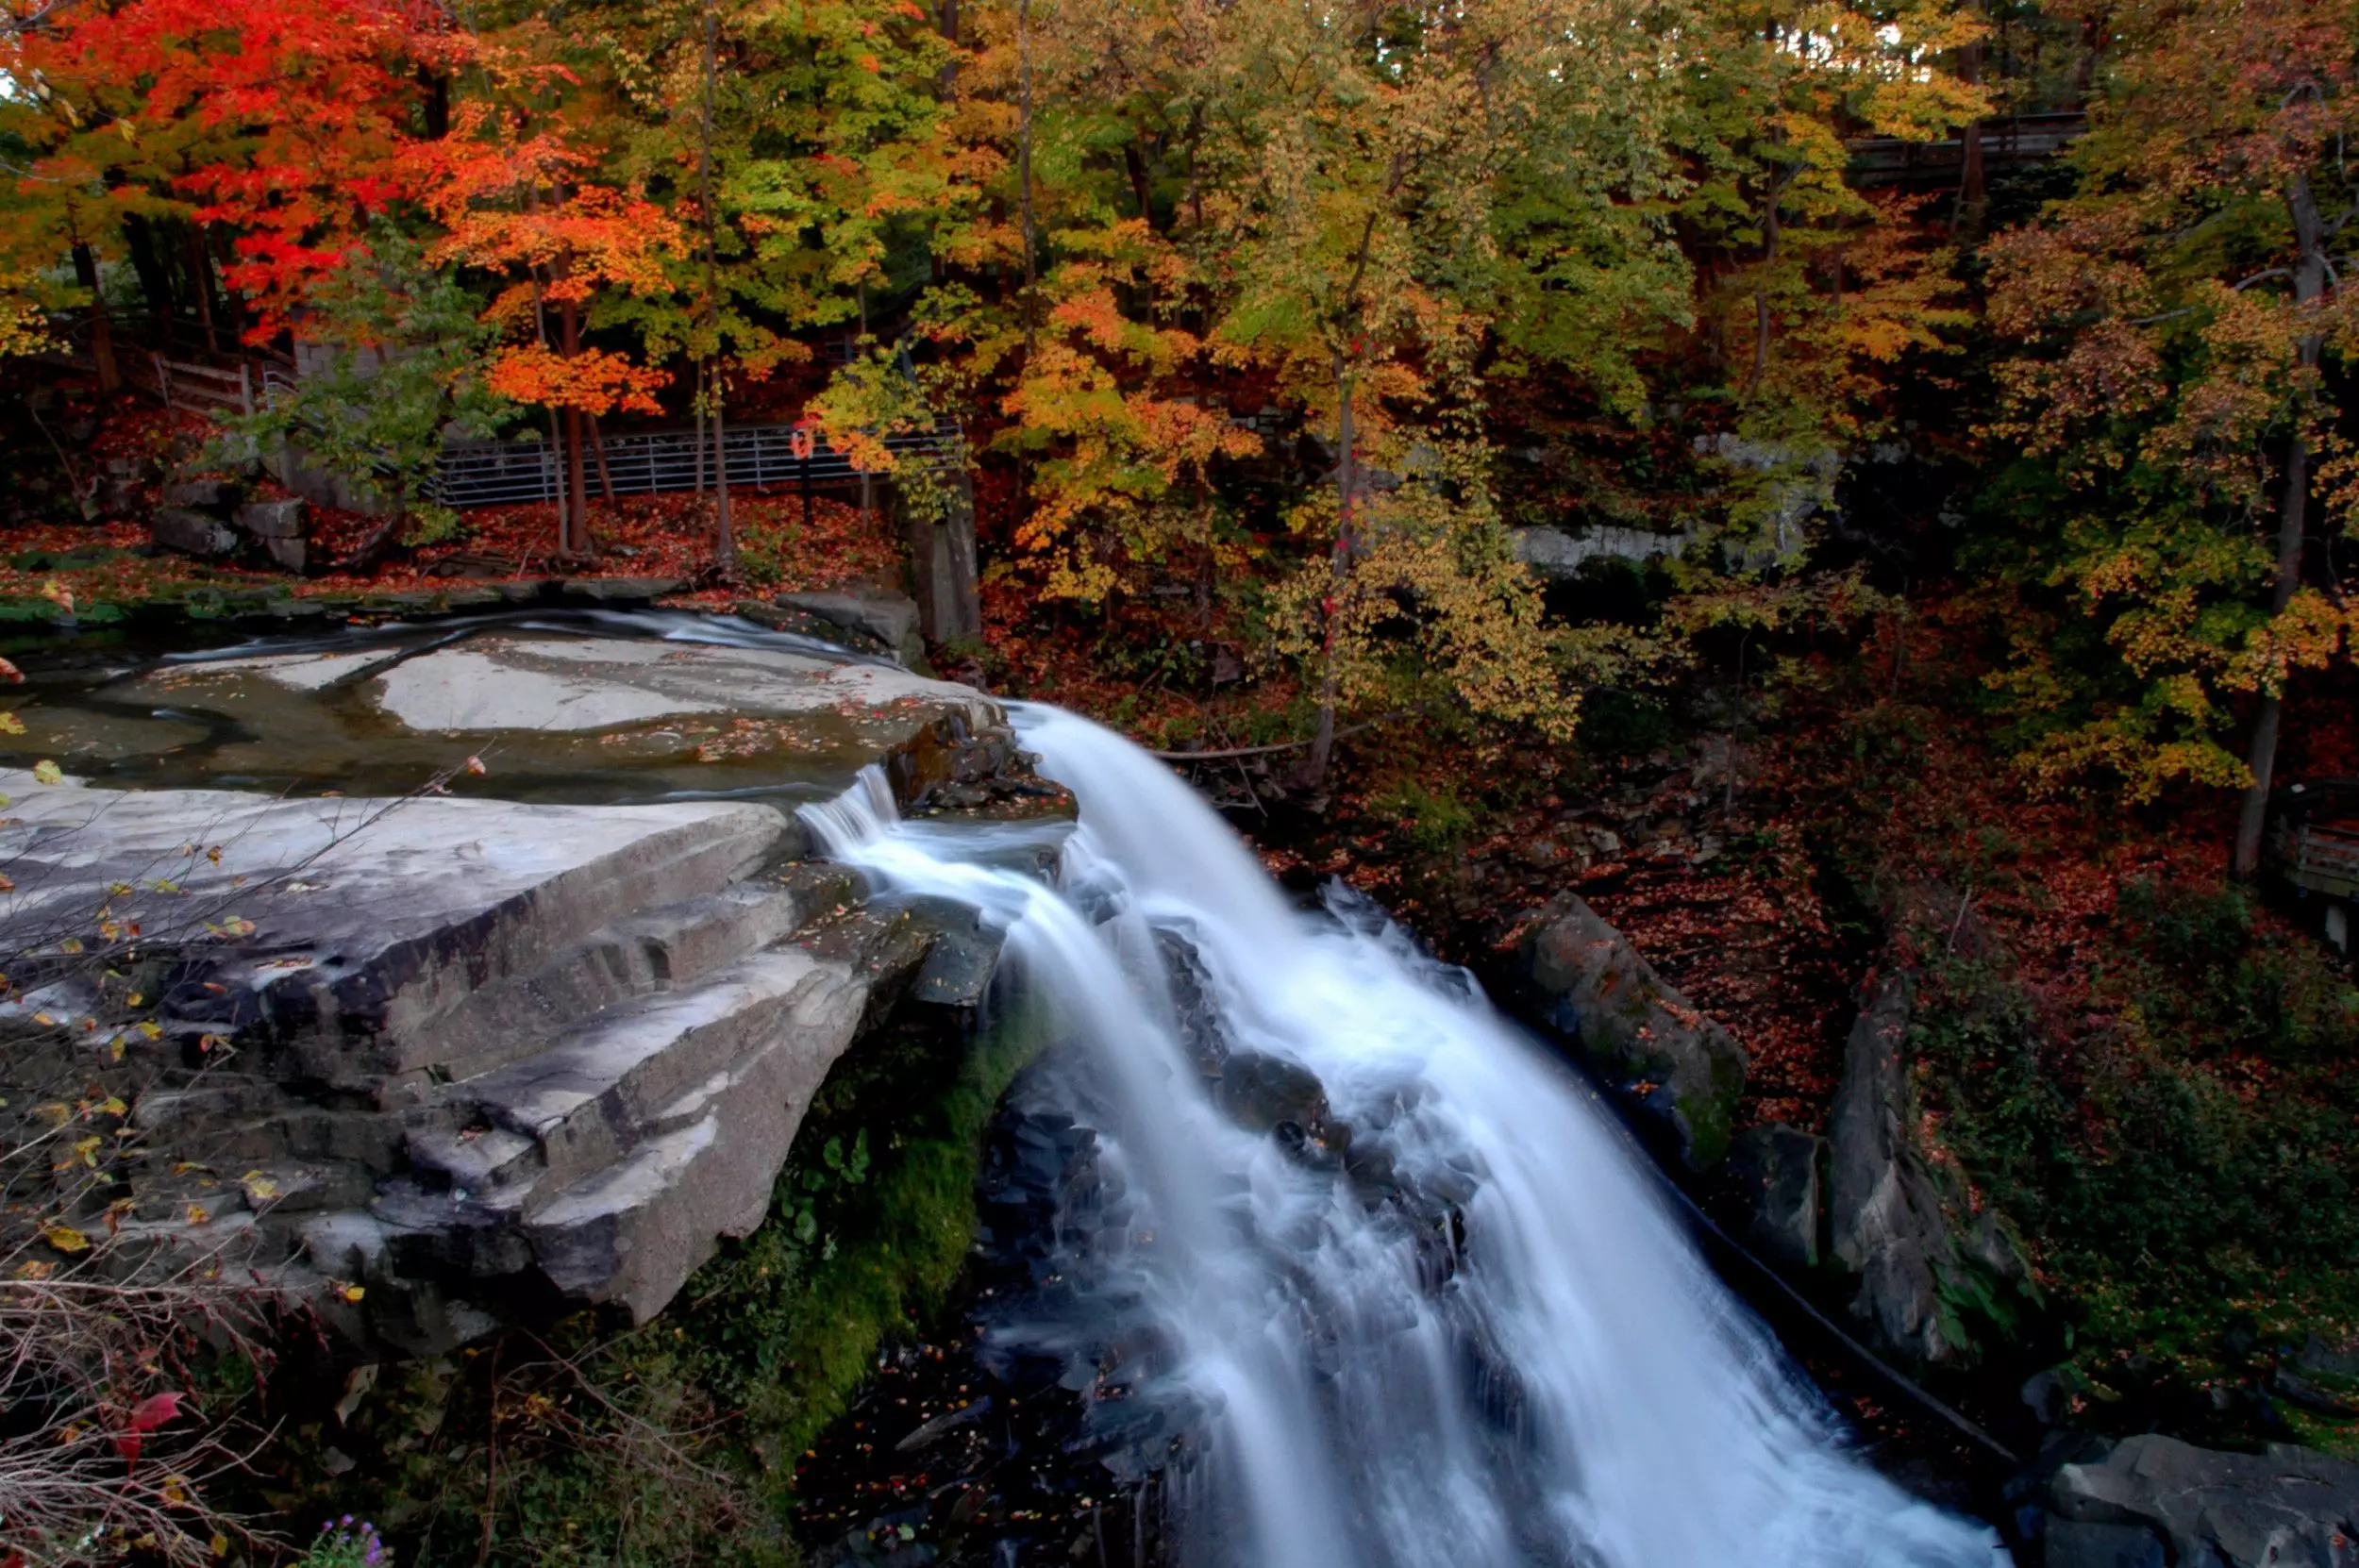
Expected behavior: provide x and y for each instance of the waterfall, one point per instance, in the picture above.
(1419, 1303)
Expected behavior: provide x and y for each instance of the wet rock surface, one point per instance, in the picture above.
(2153, 1499)
(966, 1450)
(558, 709)
(888, 622)
(1929, 1266)
(1888, 1225)
(1035, 1420)
(1775, 1169)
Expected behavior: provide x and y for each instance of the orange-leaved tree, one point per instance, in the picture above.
(516, 202)
(277, 121)
(2178, 344)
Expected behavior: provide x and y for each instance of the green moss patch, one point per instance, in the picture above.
(675, 1441)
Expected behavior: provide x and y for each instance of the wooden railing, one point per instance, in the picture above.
(2320, 858)
(205, 389)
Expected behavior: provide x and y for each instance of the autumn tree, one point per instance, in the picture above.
(2178, 344)
(518, 203)
(405, 369)
(1809, 293)
(1073, 305)
(1357, 216)
(277, 122)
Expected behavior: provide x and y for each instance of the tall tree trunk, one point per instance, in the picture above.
(598, 450)
(102, 335)
(947, 22)
(2293, 510)
(1971, 181)
(201, 287)
(227, 301)
(151, 258)
(1769, 237)
(576, 473)
(724, 531)
(1140, 190)
(701, 377)
(437, 104)
(557, 455)
(1024, 153)
(1314, 766)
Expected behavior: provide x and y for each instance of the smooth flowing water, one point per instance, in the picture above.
(1451, 1325)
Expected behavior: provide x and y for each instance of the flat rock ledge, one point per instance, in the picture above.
(431, 1064)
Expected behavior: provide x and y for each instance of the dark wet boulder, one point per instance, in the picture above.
(1264, 1093)
(190, 490)
(192, 533)
(887, 620)
(1202, 1031)
(2288, 1507)
(2070, 1545)
(272, 519)
(1775, 1170)
(1582, 977)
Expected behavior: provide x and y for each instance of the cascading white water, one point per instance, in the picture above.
(1572, 1386)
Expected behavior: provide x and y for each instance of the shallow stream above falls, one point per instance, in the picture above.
(562, 706)
(1336, 1269)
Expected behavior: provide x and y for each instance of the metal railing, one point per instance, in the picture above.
(760, 456)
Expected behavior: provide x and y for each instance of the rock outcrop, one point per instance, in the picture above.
(1775, 1169)
(2155, 1500)
(1582, 978)
(204, 517)
(887, 620)
(1923, 1262)
(428, 1063)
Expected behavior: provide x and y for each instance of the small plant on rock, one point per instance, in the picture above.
(343, 1543)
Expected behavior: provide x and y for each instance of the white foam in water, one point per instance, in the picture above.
(1580, 1390)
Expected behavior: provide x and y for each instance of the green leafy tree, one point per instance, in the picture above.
(1359, 237)
(405, 372)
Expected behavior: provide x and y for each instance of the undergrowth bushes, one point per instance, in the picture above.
(2180, 1143)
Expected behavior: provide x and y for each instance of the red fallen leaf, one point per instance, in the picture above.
(148, 1414)
(154, 1411)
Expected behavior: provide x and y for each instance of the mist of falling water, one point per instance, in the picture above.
(1573, 1387)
